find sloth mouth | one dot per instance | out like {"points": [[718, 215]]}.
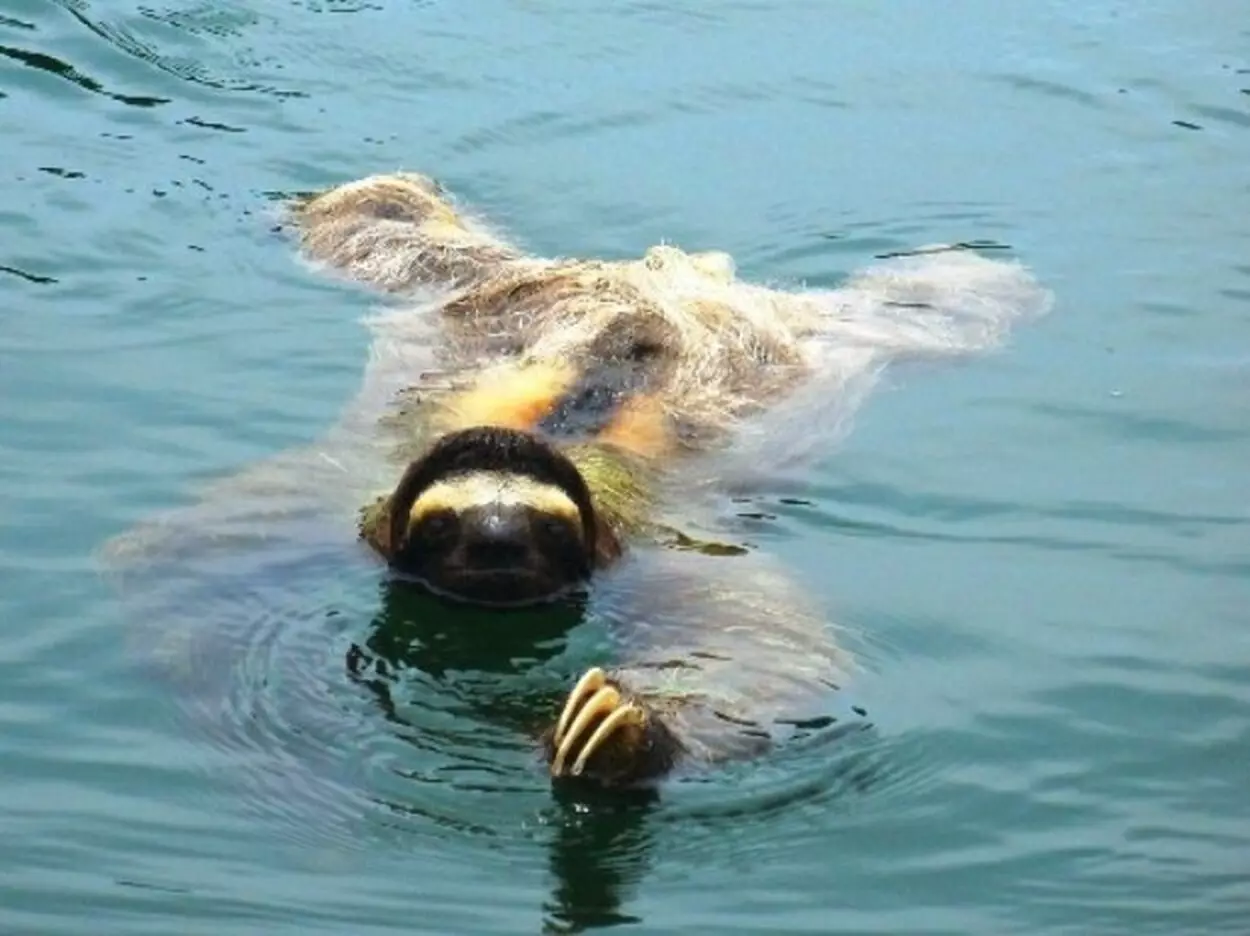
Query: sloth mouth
{"points": [[503, 587]]}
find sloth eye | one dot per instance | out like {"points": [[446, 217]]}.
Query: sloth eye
{"points": [[556, 529], [438, 524]]}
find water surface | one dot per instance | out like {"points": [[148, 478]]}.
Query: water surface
{"points": [[1044, 549]]}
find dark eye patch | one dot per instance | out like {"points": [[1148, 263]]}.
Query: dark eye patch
{"points": [[437, 525], [555, 529]]}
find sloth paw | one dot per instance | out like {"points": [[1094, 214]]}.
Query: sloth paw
{"points": [[607, 736]]}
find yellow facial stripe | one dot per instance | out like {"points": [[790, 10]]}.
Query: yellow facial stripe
{"points": [[484, 487]]}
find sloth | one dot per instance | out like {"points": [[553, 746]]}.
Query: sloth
{"points": [[579, 382], [529, 426], [570, 373]]}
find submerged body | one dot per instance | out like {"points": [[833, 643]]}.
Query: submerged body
{"points": [[525, 421]]}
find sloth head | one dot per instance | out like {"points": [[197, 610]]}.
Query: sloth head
{"points": [[496, 516]]}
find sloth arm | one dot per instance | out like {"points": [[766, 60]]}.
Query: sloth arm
{"points": [[396, 232], [726, 650]]}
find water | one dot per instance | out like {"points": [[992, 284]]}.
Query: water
{"points": [[1044, 548]]}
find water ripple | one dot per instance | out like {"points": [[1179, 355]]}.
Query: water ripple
{"points": [[54, 66], [1042, 552], [127, 39]]}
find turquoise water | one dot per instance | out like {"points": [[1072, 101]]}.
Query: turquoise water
{"points": [[1045, 548]]}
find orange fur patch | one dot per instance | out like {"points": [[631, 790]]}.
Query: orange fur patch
{"points": [[512, 397], [640, 426]]}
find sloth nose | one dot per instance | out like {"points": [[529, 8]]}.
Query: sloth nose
{"points": [[497, 537]]}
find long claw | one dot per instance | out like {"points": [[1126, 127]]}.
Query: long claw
{"points": [[599, 705], [630, 713], [591, 682]]}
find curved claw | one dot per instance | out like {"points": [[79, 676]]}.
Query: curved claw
{"points": [[604, 732], [599, 706], [591, 682], [631, 714]]}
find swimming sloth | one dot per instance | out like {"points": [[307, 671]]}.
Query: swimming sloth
{"points": [[577, 387], [531, 425]]}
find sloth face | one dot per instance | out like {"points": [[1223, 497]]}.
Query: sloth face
{"points": [[493, 516], [495, 539]]}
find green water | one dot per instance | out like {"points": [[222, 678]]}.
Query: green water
{"points": [[1044, 549]]}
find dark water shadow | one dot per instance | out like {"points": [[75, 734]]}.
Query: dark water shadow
{"points": [[601, 849], [600, 841], [416, 631]]}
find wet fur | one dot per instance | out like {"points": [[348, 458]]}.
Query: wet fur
{"points": [[676, 328], [627, 367], [639, 363]]}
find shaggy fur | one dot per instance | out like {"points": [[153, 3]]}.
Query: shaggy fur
{"points": [[629, 364], [626, 365], [679, 327]]}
